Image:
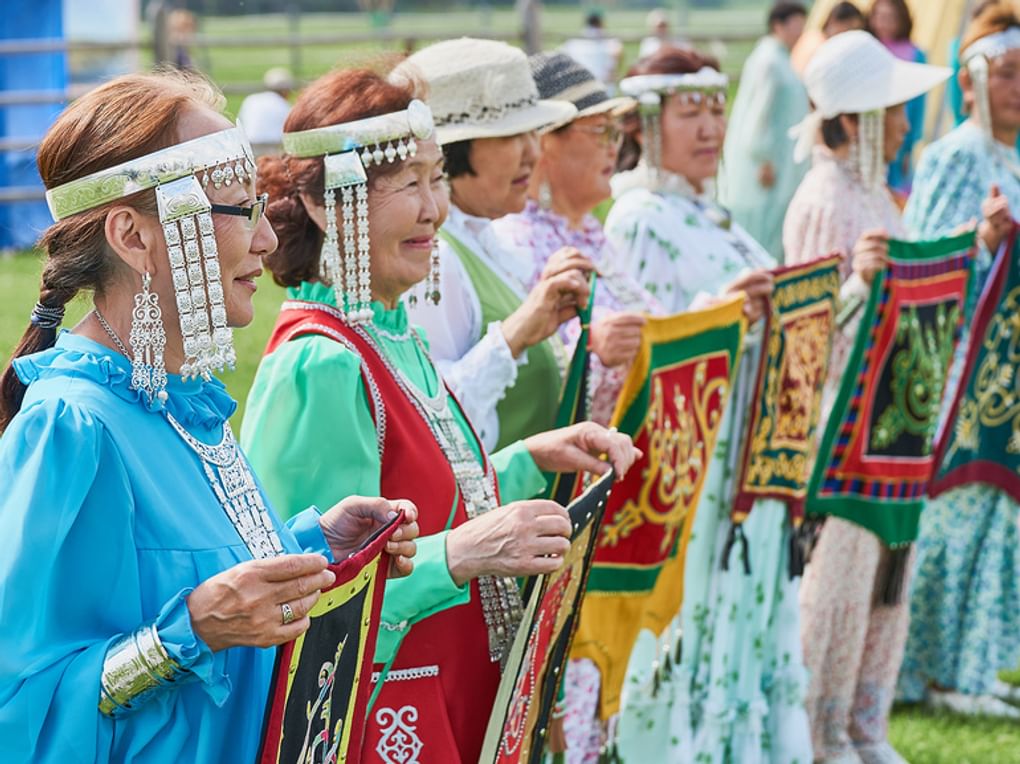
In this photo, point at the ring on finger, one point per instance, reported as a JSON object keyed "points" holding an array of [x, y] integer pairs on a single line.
{"points": [[288, 613]]}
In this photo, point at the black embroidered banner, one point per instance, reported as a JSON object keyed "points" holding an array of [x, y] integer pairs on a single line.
{"points": [[318, 698], [527, 692]]}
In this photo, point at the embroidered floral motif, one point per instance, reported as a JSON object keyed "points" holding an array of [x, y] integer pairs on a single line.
{"points": [[398, 742]]}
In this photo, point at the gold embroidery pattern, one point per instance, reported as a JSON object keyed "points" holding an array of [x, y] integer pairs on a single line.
{"points": [[918, 376], [995, 398], [792, 399], [680, 434]]}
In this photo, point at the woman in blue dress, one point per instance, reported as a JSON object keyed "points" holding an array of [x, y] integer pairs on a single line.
{"points": [[143, 576]]}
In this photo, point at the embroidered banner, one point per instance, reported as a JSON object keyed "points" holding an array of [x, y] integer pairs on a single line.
{"points": [[527, 692], [319, 694], [982, 441], [564, 486], [780, 440], [876, 456], [671, 405]]}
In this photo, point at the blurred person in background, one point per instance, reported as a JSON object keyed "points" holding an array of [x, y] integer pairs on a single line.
{"points": [[659, 34], [595, 51], [758, 174], [262, 114], [891, 23], [844, 17], [853, 642]]}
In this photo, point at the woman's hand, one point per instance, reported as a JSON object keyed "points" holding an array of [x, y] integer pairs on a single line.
{"points": [[577, 449], [871, 254], [997, 220], [552, 301], [526, 538], [757, 288], [349, 524], [567, 259], [616, 338], [243, 605]]}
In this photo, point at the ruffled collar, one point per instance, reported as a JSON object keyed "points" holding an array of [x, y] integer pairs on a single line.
{"points": [[194, 403], [391, 321]]}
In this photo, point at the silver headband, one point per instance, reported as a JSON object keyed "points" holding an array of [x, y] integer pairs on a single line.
{"points": [[992, 46], [347, 150], [220, 158]]}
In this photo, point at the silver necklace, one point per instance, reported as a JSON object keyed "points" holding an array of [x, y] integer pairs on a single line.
{"points": [[229, 477], [501, 599]]}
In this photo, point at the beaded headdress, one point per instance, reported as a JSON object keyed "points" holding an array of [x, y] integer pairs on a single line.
{"points": [[347, 151], [179, 174], [977, 58], [705, 86]]}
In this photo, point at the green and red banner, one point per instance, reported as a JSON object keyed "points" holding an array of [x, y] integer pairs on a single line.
{"points": [[672, 406], [318, 699], [981, 443], [521, 715], [877, 453], [779, 444]]}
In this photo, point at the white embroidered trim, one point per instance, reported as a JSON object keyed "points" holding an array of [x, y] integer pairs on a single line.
{"points": [[404, 675], [402, 626]]}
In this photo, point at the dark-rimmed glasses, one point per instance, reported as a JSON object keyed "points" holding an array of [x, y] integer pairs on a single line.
{"points": [[253, 214]]}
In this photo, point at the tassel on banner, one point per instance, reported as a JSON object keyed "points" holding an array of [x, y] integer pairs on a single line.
{"points": [[895, 577], [737, 534]]}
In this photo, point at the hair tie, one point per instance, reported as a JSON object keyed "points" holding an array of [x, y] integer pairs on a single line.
{"points": [[45, 317]]}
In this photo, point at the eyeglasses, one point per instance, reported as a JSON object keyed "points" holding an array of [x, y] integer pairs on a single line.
{"points": [[253, 213], [607, 135]]}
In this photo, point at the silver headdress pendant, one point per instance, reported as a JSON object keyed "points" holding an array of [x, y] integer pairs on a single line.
{"points": [[179, 174], [348, 150]]}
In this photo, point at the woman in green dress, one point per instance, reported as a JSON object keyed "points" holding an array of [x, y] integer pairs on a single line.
{"points": [[348, 401]]}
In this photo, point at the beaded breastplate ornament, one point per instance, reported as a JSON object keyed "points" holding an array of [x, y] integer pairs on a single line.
{"points": [[501, 599], [348, 150], [180, 175], [229, 477]]}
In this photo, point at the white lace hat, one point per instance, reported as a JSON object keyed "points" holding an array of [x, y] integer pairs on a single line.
{"points": [[853, 73], [480, 89]]}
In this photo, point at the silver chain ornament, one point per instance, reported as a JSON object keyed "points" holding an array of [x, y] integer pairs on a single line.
{"points": [[148, 343]]}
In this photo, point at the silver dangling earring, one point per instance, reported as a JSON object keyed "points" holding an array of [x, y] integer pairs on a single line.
{"points": [[432, 292], [544, 195], [148, 344]]}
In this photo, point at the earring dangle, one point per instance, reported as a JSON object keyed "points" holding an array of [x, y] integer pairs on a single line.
{"points": [[544, 195], [432, 293], [148, 344]]}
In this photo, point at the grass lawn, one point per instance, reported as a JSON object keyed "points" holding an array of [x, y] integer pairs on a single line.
{"points": [[922, 737]]}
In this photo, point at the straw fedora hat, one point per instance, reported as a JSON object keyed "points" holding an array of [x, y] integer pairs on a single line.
{"points": [[561, 78], [853, 73], [480, 89]]}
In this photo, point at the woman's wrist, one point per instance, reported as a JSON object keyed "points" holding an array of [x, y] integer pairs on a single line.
{"points": [[459, 563], [135, 667]]}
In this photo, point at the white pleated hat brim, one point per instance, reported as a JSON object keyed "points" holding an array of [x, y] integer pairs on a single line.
{"points": [[535, 117]]}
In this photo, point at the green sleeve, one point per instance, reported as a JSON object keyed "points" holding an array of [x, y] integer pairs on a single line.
{"points": [[428, 590], [310, 436], [518, 475], [308, 429]]}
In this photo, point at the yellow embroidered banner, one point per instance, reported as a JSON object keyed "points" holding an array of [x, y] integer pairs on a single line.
{"points": [[671, 405]]}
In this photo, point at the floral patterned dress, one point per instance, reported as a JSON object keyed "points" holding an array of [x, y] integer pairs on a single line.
{"points": [[736, 692], [965, 603], [533, 236], [852, 647]]}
